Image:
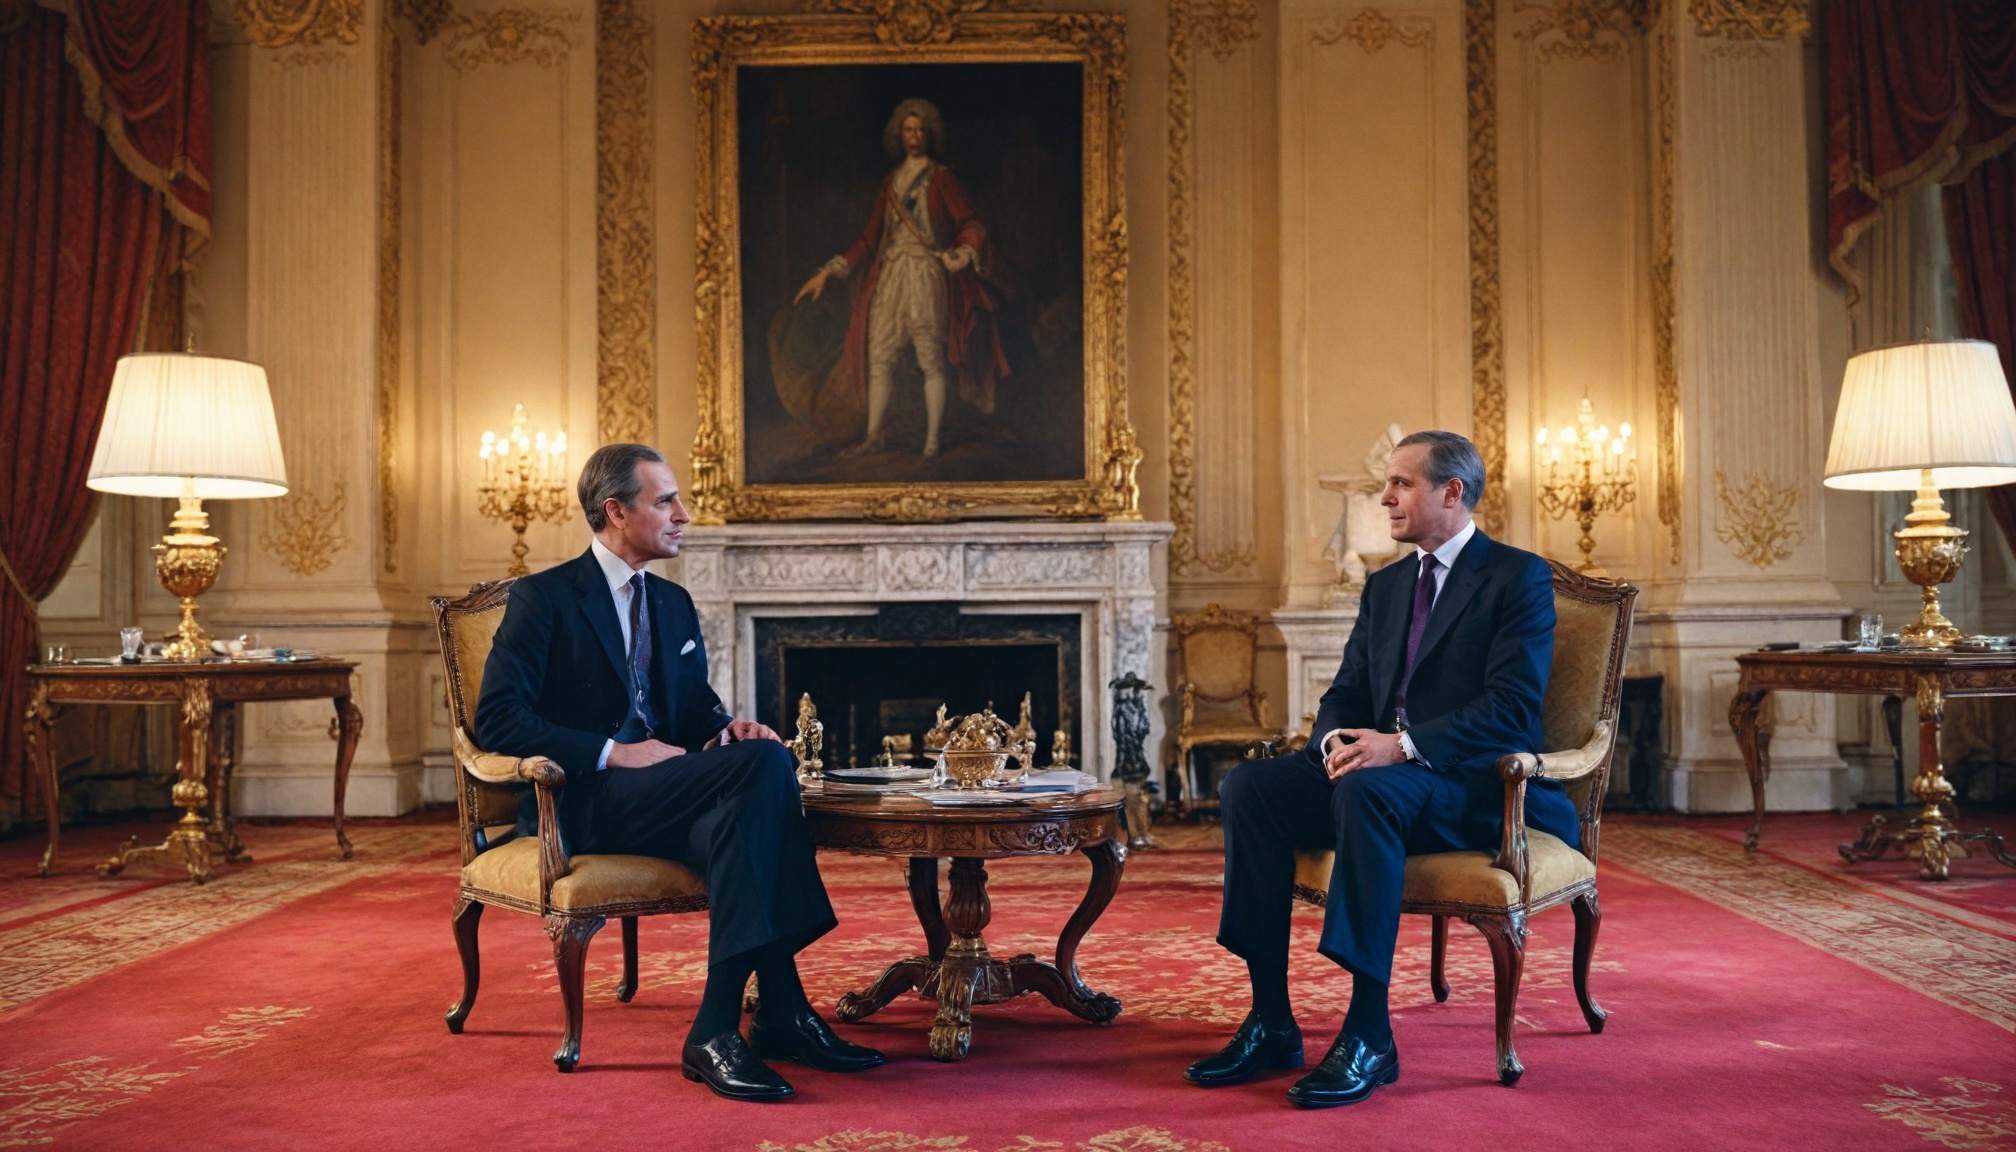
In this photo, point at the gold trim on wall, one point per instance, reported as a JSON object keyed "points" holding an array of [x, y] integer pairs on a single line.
{"points": [[509, 35], [1665, 307], [1372, 30], [1750, 19], [626, 269], [1583, 29], [1759, 521], [947, 33], [1221, 27], [304, 533], [306, 23], [388, 289], [1487, 325]]}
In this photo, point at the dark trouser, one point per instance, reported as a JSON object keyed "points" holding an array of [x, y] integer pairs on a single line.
{"points": [[1373, 819], [733, 815]]}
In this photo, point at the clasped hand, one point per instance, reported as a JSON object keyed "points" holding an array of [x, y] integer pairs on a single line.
{"points": [[645, 753], [1369, 748]]}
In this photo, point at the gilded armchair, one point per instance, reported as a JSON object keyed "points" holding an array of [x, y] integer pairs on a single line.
{"points": [[1220, 704], [1532, 871], [574, 895]]}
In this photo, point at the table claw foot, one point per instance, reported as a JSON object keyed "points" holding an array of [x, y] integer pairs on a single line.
{"points": [[1066, 993], [1992, 842], [1872, 845], [952, 1031], [48, 861], [900, 978]]}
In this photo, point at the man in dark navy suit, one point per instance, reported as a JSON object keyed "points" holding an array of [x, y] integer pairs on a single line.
{"points": [[1443, 674], [600, 667]]}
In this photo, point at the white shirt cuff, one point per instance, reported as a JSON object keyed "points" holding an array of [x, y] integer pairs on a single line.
{"points": [[1323, 745], [602, 761], [1407, 746], [837, 266]]}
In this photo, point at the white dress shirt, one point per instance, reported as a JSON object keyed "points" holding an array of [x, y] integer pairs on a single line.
{"points": [[617, 572], [1445, 558]]}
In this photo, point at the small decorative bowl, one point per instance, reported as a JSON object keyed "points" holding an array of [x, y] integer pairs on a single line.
{"points": [[974, 768]]}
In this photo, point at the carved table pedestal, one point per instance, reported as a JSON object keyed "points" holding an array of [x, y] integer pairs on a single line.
{"points": [[957, 970], [1929, 677]]}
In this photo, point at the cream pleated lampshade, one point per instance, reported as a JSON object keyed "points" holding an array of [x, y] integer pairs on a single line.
{"points": [[1938, 404], [176, 418]]}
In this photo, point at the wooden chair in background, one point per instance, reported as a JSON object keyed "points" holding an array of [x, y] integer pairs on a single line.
{"points": [[574, 895], [1220, 703]]}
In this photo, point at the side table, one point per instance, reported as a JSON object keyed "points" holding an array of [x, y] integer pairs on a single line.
{"points": [[208, 695], [1928, 676]]}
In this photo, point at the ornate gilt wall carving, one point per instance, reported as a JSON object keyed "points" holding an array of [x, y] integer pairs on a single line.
{"points": [[388, 290], [1750, 19], [1220, 27], [899, 22], [1487, 325], [427, 17], [1665, 341], [508, 35], [626, 270], [304, 533], [1760, 522], [303, 23], [1372, 30], [1583, 29]]}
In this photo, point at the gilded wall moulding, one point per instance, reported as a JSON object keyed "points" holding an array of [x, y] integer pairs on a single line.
{"points": [[1372, 30], [304, 533], [1220, 27], [1759, 523], [1665, 325], [1750, 19], [626, 269], [914, 21], [1584, 29], [509, 35], [428, 17], [389, 93], [1487, 324], [302, 23]]}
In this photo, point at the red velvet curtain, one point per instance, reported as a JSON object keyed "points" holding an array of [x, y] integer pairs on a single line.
{"points": [[104, 151], [1926, 91]]}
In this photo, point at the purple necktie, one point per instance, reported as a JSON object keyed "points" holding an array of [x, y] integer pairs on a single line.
{"points": [[640, 650], [1424, 600]]}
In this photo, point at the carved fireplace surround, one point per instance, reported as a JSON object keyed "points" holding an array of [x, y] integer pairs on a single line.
{"points": [[1113, 574]]}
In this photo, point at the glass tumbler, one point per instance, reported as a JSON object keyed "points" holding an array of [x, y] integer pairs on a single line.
{"points": [[130, 640], [1869, 631]]}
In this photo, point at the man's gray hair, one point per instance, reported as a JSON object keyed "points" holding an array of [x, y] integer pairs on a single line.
{"points": [[611, 474], [934, 128], [1452, 457]]}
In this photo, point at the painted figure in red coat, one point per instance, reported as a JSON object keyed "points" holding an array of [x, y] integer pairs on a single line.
{"points": [[923, 258]]}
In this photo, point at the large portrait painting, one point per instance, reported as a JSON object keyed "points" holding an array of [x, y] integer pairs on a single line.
{"points": [[912, 268]]}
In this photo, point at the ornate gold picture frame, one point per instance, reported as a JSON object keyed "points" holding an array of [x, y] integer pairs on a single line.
{"points": [[772, 374]]}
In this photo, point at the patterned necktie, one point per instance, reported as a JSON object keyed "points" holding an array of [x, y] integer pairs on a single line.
{"points": [[1424, 600], [640, 649]]}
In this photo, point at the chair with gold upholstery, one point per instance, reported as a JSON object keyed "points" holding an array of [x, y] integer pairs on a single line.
{"points": [[573, 895], [1220, 703], [1532, 870]]}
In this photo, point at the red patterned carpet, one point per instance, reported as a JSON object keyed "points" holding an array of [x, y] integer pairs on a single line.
{"points": [[1769, 1002]]}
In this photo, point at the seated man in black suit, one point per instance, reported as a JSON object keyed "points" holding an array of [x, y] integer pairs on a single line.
{"points": [[600, 667], [1443, 674]]}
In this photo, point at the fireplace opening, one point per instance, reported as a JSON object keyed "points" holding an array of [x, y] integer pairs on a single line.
{"points": [[887, 674]]}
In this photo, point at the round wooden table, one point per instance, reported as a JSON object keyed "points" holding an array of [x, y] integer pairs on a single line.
{"points": [[957, 971]]}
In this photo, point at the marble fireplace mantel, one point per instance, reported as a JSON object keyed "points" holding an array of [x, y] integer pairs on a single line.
{"points": [[1111, 573]]}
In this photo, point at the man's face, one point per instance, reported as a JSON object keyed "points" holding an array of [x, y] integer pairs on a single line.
{"points": [[1417, 510], [654, 526], [913, 136]]}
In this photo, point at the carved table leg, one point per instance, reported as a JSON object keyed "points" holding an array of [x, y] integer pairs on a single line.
{"points": [[223, 761], [924, 899], [40, 735], [1893, 722], [189, 844], [570, 936], [349, 725], [917, 971], [1929, 837], [1743, 711], [1062, 985], [966, 964]]}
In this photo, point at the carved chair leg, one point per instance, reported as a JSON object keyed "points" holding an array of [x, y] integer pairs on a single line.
{"points": [[628, 987], [570, 936], [1588, 918], [467, 914], [1507, 936], [1438, 948]]}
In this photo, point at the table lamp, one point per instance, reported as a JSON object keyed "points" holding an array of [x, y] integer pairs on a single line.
{"points": [[195, 428], [1924, 416]]}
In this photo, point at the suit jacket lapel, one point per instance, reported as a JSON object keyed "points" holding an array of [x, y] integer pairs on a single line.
{"points": [[1464, 580], [600, 608], [1389, 646]]}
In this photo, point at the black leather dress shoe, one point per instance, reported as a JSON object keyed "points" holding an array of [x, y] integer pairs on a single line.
{"points": [[1254, 1049], [1349, 1072], [809, 1040], [726, 1065]]}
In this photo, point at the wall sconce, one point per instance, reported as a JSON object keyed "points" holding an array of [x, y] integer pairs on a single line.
{"points": [[524, 479], [1588, 472]]}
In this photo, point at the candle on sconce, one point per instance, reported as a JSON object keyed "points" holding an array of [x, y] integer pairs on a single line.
{"points": [[524, 479], [1599, 475]]}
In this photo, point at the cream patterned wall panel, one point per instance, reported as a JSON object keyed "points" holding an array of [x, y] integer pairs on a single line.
{"points": [[1375, 262], [1574, 188]]}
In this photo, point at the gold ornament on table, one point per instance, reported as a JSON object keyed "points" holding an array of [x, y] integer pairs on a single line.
{"points": [[1588, 472], [1060, 749], [524, 479], [810, 739], [895, 751], [977, 751], [1022, 739], [194, 428], [1924, 416]]}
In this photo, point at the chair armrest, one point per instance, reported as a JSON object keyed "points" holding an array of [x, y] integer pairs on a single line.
{"points": [[546, 777], [1518, 767]]}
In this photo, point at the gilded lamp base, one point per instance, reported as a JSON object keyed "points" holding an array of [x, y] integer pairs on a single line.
{"points": [[1929, 550], [187, 562]]}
